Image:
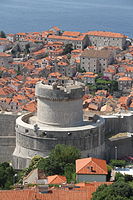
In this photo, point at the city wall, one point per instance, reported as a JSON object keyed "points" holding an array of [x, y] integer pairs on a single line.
{"points": [[7, 135], [88, 138], [113, 124]]}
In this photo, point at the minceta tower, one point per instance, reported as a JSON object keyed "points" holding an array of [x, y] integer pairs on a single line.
{"points": [[59, 120]]}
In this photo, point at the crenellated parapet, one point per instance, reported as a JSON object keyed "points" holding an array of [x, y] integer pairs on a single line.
{"points": [[57, 92], [59, 105]]}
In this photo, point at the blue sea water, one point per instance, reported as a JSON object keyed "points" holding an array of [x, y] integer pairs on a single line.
{"points": [[76, 15]]}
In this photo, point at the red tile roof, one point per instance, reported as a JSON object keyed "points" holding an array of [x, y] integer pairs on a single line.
{"points": [[17, 195], [106, 34], [56, 179], [125, 79], [71, 34], [84, 166], [84, 192], [56, 37]]}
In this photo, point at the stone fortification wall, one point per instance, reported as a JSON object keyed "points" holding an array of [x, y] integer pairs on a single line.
{"points": [[118, 123], [114, 124], [7, 135], [124, 148], [88, 138], [59, 105]]}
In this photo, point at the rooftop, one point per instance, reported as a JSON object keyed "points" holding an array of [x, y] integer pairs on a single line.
{"points": [[91, 53], [91, 166], [106, 34]]}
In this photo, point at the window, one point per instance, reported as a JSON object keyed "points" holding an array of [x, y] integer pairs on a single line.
{"points": [[44, 133]]}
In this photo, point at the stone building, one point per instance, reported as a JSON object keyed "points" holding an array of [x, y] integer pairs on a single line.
{"points": [[91, 169], [7, 135], [79, 42], [125, 83], [95, 60], [59, 120], [20, 36], [5, 59], [36, 176], [65, 69], [104, 39]]}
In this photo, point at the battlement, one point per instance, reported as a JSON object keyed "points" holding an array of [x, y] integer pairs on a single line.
{"points": [[55, 92]]}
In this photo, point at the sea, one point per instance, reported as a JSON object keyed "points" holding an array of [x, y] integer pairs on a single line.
{"points": [[73, 15]]}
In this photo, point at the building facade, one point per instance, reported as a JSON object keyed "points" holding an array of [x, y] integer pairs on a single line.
{"points": [[95, 60], [104, 39]]}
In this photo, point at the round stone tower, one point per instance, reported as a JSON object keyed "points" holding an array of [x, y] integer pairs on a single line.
{"points": [[59, 105], [59, 120]]}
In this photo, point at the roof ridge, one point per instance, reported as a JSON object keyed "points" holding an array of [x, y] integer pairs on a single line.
{"points": [[84, 165], [98, 165]]}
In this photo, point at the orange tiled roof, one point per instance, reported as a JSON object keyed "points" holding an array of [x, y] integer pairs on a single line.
{"points": [[10, 35], [56, 28], [83, 193], [106, 34], [129, 69], [123, 100], [31, 106], [125, 78], [55, 74], [62, 63], [17, 195], [71, 33], [21, 34], [120, 74], [65, 37], [4, 39], [56, 179], [2, 54], [102, 91], [83, 166]]}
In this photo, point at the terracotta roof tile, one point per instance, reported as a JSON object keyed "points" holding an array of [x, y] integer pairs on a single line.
{"points": [[125, 79], [91, 53], [84, 166], [71, 33], [56, 179], [106, 34], [80, 38]]}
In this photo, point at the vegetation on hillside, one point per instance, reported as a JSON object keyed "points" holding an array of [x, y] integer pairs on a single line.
{"points": [[120, 190], [7, 176], [67, 49], [60, 161], [2, 34]]}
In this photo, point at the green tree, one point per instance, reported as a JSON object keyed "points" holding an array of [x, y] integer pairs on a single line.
{"points": [[69, 172], [6, 175], [106, 84], [59, 157], [27, 48], [126, 177], [60, 161], [2, 34], [118, 176], [117, 163], [109, 172], [119, 190], [67, 49]]}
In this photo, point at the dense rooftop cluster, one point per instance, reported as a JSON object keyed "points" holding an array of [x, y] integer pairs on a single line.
{"points": [[54, 55]]}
